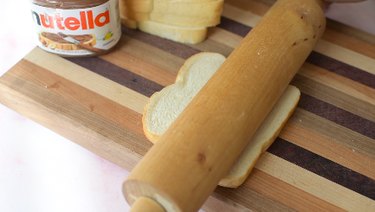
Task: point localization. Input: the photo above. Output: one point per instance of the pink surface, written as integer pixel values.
(42, 171)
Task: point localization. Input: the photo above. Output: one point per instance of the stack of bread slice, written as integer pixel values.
(184, 21)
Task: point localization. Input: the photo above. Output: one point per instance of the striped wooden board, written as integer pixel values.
(324, 159)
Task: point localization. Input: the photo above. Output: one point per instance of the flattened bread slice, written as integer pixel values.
(263, 138)
(165, 106)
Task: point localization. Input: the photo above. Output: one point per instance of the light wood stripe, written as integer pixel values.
(139, 65)
(216, 203)
(52, 111)
(84, 98)
(324, 47)
(358, 34)
(145, 60)
(88, 79)
(323, 167)
(244, 17)
(174, 48)
(334, 97)
(288, 195)
(350, 38)
(314, 184)
(338, 82)
(224, 37)
(331, 141)
(252, 199)
(346, 55)
(152, 54)
(210, 45)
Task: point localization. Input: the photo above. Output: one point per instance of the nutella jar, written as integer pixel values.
(76, 28)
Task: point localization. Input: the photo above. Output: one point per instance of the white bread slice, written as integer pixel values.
(137, 16)
(187, 13)
(179, 34)
(143, 6)
(183, 21)
(187, 7)
(165, 106)
(180, 13)
(263, 138)
(162, 109)
(135, 10)
(186, 21)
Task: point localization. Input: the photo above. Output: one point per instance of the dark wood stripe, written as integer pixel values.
(118, 74)
(234, 27)
(180, 50)
(315, 58)
(324, 167)
(342, 69)
(335, 97)
(174, 48)
(337, 115)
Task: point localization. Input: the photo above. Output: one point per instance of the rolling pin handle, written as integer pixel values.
(143, 204)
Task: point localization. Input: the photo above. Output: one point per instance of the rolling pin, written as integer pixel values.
(182, 170)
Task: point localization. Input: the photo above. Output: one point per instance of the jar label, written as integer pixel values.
(77, 32)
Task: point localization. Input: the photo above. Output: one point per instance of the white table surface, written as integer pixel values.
(40, 170)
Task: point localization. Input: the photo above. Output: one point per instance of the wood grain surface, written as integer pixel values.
(323, 160)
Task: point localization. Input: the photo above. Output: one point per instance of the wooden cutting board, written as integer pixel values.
(324, 159)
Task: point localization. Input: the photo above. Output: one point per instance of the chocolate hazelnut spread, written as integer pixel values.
(76, 28)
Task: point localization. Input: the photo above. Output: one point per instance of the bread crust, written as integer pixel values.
(178, 34)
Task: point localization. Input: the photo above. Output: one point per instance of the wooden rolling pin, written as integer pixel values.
(180, 172)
